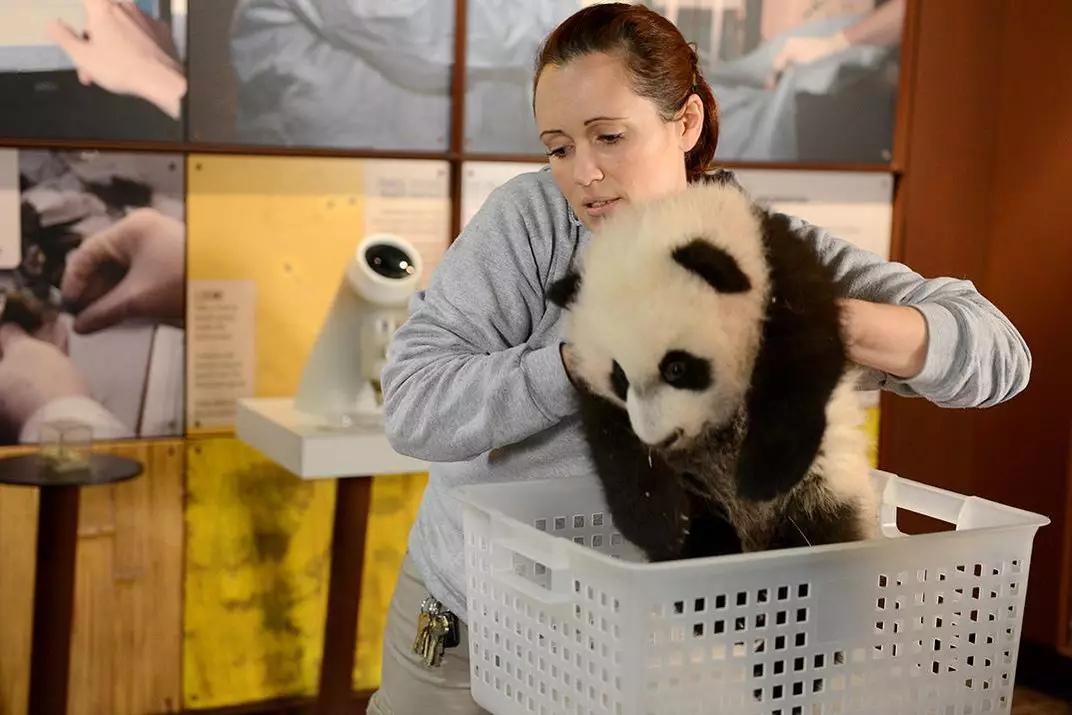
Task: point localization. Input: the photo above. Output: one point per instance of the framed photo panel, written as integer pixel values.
(93, 292)
(79, 70)
(326, 74)
(796, 81)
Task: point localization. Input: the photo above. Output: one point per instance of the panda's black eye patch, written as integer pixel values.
(685, 371)
(618, 381)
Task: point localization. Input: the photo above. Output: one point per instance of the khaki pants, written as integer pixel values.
(406, 686)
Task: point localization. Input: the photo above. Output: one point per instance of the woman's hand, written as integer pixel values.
(805, 50)
(133, 269)
(569, 361)
(125, 51)
(889, 338)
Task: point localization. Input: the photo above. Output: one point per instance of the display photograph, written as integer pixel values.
(797, 81)
(370, 75)
(92, 70)
(92, 294)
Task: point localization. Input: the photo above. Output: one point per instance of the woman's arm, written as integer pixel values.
(460, 378)
(934, 338)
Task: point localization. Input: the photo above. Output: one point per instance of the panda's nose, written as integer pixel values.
(671, 440)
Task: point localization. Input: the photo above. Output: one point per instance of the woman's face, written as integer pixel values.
(607, 145)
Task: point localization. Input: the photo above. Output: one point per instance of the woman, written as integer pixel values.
(476, 382)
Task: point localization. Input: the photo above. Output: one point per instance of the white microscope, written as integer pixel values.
(340, 382)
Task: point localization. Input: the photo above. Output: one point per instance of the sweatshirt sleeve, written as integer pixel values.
(461, 378)
(975, 356)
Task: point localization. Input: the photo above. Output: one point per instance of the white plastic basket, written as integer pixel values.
(566, 618)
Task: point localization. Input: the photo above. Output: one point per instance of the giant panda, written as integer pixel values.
(717, 401)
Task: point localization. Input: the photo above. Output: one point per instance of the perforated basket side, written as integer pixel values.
(909, 625)
(549, 624)
(903, 624)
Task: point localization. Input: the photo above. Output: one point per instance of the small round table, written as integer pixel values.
(54, 574)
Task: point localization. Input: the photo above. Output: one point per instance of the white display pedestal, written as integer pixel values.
(274, 428)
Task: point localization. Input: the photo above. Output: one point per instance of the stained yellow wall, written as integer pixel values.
(258, 553)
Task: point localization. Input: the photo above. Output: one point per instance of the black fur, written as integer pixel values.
(619, 382)
(714, 265)
(831, 525)
(650, 504)
(722, 177)
(563, 291)
(799, 364)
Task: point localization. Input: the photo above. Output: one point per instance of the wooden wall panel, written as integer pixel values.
(983, 197)
(18, 527)
(947, 178)
(1028, 272)
(127, 636)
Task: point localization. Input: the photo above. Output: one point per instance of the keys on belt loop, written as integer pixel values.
(437, 629)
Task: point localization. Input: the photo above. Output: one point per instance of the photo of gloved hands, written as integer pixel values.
(92, 318)
(134, 269)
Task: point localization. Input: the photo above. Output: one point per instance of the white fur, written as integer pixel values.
(639, 303)
(843, 454)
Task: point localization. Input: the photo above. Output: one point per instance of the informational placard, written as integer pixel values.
(480, 178)
(222, 360)
(10, 240)
(854, 206)
(411, 199)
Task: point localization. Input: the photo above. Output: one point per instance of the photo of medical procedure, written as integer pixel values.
(796, 80)
(92, 294)
(93, 70)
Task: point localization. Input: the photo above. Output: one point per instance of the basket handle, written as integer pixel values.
(509, 538)
(922, 499)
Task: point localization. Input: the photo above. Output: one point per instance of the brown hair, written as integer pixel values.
(662, 66)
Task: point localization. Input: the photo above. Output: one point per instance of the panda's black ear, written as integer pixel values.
(714, 265)
(723, 177)
(563, 291)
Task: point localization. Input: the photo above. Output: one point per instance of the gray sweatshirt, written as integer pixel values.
(475, 385)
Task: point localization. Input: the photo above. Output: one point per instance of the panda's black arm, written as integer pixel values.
(647, 501)
(801, 360)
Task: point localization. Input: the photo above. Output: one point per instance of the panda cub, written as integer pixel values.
(718, 404)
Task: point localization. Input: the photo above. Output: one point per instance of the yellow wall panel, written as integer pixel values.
(394, 507)
(871, 426)
(289, 225)
(126, 639)
(258, 539)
